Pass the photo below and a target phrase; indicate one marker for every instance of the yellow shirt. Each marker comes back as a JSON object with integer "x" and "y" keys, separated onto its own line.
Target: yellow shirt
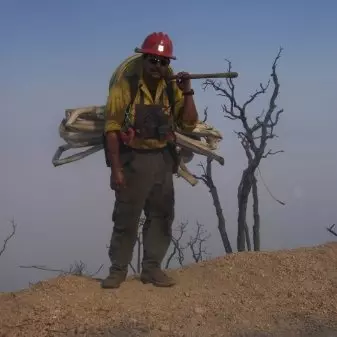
{"x": 119, "y": 99}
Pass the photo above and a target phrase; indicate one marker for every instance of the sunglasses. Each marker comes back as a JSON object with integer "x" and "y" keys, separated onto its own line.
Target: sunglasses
{"x": 155, "y": 60}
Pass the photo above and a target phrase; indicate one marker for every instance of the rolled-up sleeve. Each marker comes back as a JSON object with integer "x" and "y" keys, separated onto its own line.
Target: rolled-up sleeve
{"x": 116, "y": 105}
{"x": 179, "y": 110}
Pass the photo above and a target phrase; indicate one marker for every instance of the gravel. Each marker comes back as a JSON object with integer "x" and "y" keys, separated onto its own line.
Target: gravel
{"x": 252, "y": 294}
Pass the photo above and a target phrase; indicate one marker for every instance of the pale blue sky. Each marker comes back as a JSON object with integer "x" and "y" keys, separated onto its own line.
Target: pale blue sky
{"x": 56, "y": 55}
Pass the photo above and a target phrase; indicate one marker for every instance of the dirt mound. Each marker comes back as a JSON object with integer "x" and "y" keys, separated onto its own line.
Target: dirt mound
{"x": 284, "y": 293}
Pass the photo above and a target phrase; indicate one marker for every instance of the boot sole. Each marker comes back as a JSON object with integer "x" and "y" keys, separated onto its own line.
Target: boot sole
{"x": 110, "y": 287}
{"x": 158, "y": 284}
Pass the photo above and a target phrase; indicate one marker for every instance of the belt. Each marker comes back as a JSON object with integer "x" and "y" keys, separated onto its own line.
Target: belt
{"x": 155, "y": 150}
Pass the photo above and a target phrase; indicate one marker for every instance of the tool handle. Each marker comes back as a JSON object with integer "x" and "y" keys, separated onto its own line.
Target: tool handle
{"x": 212, "y": 75}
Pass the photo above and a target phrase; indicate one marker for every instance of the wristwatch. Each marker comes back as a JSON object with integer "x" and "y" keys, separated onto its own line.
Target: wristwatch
{"x": 188, "y": 93}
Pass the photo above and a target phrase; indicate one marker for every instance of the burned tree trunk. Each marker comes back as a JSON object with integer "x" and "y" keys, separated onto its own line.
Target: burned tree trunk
{"x": 218, "y": 209}
{"x": 243, "y": 194}
{"x": 247, "y": 236}
{"x": 207, "y": 178}
{"x": 256, "y": 216}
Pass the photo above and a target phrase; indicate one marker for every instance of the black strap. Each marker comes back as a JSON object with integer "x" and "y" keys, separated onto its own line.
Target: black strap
{"x": 134, "y": 84}
{"x": 170, "y": 94}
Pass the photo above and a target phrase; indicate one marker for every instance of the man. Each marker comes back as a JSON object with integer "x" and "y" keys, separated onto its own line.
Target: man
{"x": 143, "y": 164}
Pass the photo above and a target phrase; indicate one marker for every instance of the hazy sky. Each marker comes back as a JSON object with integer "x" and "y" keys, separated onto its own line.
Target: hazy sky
{"x": 60, "y": 54}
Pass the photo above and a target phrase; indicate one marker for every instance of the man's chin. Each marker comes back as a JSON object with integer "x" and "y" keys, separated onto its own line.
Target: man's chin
{"x": 156, "y": 75}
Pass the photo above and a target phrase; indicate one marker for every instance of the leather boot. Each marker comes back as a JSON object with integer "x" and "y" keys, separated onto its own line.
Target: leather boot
{"x": 157, "y": 277}
{"x": 114, "y": 280}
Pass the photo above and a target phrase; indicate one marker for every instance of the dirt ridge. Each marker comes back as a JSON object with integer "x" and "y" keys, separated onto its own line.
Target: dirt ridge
{"x": 280, "y": 293}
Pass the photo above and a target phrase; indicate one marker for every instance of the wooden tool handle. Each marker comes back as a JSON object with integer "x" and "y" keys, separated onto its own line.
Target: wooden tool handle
{"x": 212, "y": 75}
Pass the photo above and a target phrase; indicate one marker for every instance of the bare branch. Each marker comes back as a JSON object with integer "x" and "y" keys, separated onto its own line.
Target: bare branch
{"x": 205, "y": 114}
{"x": 132, "y": 268}
{"x": 228, "y": 94}
{"x": 178, "y": 248}
{"x": 331, "y": 230}
{"x": 44, "y": 268}
{"x": 9, "y": 237}
{"x": 271, "y": 153}
{"x": 78, "y": 269}
{"x": 196, "y": 243}
{"x": 268, "y": 190}
{"x": 262, "y": 90}
{"x": 97, "y": 271}
{"x": 203, "y": 177}
{"x": 267, "y": 122}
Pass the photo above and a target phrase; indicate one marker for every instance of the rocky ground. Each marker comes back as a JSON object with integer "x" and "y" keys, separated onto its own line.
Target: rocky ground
{"x": 284, "y": 293}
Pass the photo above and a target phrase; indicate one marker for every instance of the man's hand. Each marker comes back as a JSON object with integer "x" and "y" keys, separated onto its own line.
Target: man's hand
{"x": 117, "y": 180}
{"x": 189, "y": 113}
{"x": 183, "y": 83}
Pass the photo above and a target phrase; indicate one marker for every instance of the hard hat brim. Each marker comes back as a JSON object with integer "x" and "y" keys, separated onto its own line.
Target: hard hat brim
{"x": 151, "y": 52}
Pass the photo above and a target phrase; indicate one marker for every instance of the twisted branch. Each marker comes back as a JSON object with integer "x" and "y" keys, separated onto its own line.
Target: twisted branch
{"x": 9, "y": 237}
{"x": 331, "y": 230}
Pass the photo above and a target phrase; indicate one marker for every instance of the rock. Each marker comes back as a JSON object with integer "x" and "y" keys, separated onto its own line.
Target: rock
{"x": 81, "y": 330}
{"x": 164, "y": 328}
{"x": 199, "y": 310}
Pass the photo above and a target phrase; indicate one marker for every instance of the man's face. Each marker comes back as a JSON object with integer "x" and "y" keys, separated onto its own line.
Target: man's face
{"x": 156, "y": 66}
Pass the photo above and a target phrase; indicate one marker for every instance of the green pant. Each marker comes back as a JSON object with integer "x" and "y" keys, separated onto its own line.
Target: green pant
{"x": 149, "y": 187}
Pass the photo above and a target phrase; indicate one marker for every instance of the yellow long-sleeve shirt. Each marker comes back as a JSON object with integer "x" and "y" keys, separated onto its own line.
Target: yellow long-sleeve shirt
{"x": 120, "y": 96}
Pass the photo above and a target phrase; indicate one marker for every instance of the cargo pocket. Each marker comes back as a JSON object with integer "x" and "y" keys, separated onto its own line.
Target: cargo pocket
{"x": 171, "y": 158}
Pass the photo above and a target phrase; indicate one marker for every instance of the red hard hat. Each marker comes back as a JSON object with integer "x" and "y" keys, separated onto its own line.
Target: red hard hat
{"x": 157, "y": 44}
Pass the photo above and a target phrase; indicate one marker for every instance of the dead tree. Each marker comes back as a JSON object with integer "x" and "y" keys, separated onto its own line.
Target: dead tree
{"x": 207, "y": 179}
{"x": 331, "y": 230}
{"x": 197, "y": 242}
{"x": 254, "y": 138}
{"x": 8, "y": 238}
{"x": 178, "y": 247}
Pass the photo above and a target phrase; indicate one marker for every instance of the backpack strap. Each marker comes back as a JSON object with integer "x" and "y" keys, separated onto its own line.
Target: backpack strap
{"x": 170, "y": 93}
{"x": 134, "y": 83}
